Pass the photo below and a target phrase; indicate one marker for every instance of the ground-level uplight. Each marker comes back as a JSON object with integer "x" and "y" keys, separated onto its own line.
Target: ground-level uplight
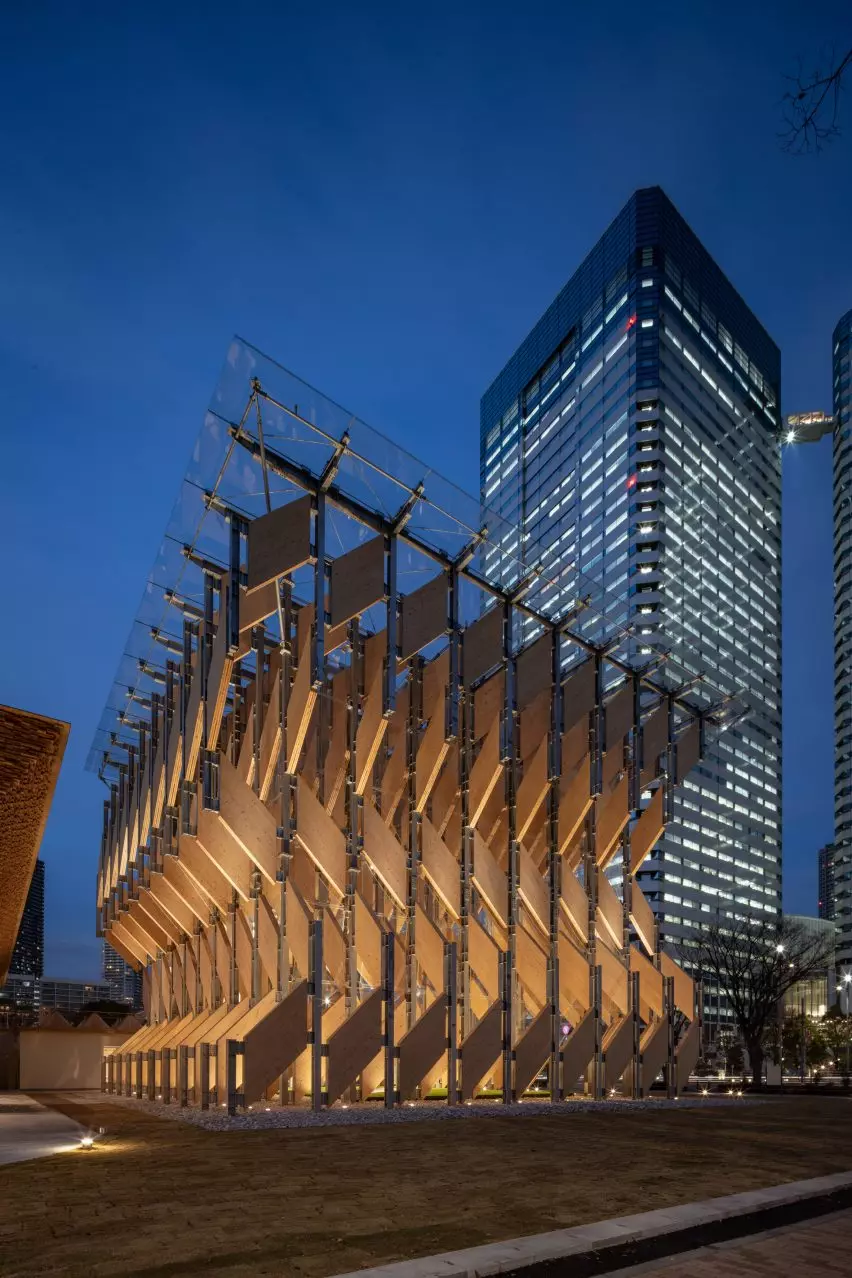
{"x": 87, "y": 1141}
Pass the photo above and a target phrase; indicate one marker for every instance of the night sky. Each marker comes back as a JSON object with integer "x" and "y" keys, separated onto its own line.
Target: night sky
{"x": 385, "y": 199}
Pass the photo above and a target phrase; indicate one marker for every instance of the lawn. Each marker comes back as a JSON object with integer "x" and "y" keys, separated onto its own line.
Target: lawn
{"x": 164, "y": 1199}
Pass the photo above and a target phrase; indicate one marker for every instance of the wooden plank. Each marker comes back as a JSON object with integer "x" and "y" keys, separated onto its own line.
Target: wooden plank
{"x": 655, "y": 739}
{"x": 321, "y": 838}
{"x": 686, "y": 1056}
{"x": 440, "y": 866}
{"x": 533, "y": 789}
{"x": 684, "y": 988}
{"x": 204, "y": 872}
{"x": 279, "y": 542}
{"x": 642, "y": 918}
{"x": 431, "y": 753}
{"x": 533, "y": 891}
{"x": 127, "y": 943}
{"x": 532, "y": 968}
{"x": 489, "y": 700}
{"x": 532, "y": 1051}
{"x": 613, "y": 976}
{"x": 483, "y": 957}
{"x": 617, "y": 1050}
{"x": 302, "y": 695}
{"x": 423, "y": 616}
{"x": 481, "y": 1050}
{"x": 573, "y": 976}
{"x": 385, "y": 854}
{"x": 368, "y": 940}
{"x": 533, "y": 670}
{"x": 578, "y": 694}
{"x": 654, "y": 1050}
{"x": 129, "y": 956}
{"x": 152, "y": 908}
{"x": 373, "y": 724}
{"x": 429, "y": 949}
{"x": 218, "y": 680}
{"x": 647, "y": 830}
{"x": 422, "y": 1047}
{"x": 243, "y": 948}
{"x": 618, "y": 716}
{"x": 489, "y": 879}
{"x": 354, "y": 1044}
{"x": 688, "y": 745}
{"x": 248, "y": 821}
{"x": 650, "y": 984}
{"x": 610, "y": 912}
{"x": 143, "y": 939}
{"x": 575, "y": 902}
{"x": 185, "y": 888}
{"x": 574, "y": 802}
{"x": 485, "y": 773}
{"x": 255, "y": 606}
{"x": 229, "y": 859}
{"x": 270, "y": 740}
{"x": 446, "y": 789}
{"x": 483, "y": 645}
{"x": 578, "y": 1051}
{"x": 274, "y": 1043}
{"x": 357, "y": 580}
{"x": 612, "y": 818}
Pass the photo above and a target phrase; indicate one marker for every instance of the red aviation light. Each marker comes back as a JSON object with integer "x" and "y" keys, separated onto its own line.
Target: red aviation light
{"x": 630, "y": 322}
{"x": 631, "y": 483}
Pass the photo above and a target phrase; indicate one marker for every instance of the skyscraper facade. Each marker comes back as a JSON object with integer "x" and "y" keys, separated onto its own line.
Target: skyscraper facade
{"x": 125, "y": 985}
{"x": 842, "y": 380}
{"x": 825, "y": 875}
{"x": 634, "y": 435}
{"x": 28, "y": 954}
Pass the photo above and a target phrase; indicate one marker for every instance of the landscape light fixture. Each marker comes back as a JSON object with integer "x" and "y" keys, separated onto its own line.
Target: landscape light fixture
{"x": 87, "y": 1141}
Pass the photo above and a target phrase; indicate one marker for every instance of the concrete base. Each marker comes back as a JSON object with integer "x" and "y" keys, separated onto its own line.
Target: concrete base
{"x": 673, "y": 1229}
{"x": 28, "y": 1130}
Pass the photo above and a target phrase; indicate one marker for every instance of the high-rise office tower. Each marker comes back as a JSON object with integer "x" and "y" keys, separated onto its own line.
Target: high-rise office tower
{"x": 28, "y": 954}
{"x": 825, "y": 888}
{"x": 125, "y": 985}
{"x": 842, "y": 380}
{"x": 634, "y": 434}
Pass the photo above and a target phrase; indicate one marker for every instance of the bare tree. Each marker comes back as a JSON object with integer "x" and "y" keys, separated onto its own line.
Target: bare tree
{"x": 754, "y": 961}
{"x": 812, "y": 106}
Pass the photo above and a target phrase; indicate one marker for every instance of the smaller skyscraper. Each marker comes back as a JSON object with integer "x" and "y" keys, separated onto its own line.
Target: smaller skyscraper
{"x": 28, "y": 954}
{"x": 826, "y": 906}
{"x": 125, "y": 985}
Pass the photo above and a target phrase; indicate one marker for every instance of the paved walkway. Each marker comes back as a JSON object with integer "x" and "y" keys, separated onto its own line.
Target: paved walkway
{"x": 815, "y": 1247}
{"x": 28, "y": 1130}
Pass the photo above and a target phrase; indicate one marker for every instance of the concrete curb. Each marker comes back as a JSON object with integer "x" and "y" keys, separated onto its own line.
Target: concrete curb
{"x": 625, "y": 1240}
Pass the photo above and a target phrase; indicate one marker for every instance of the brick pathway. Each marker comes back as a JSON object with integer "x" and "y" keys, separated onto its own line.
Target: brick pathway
{"x": 817, "y": 1247}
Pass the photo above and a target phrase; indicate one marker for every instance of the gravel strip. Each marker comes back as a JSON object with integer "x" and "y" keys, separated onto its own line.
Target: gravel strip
{"x": 259, "y": 1118}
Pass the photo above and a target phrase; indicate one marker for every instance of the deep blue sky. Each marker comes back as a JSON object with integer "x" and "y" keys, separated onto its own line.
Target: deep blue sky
{"x": 385, "y": 199}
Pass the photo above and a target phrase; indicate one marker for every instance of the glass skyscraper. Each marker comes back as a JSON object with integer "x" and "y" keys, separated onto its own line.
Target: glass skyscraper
{"x": 28, "y": 954}
{"x": 634, "y": 435}
{"x": 842, "y": 378}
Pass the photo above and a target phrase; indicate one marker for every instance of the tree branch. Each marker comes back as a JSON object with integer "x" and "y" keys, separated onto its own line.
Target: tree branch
{"x": 812, "y": 107}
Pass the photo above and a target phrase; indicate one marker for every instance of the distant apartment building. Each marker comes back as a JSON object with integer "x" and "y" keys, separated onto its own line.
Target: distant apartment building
{"x": 28, "y": 954}
{"x": 68, "y": 997}
{"x": 125, "y": 985}
{"x": 808, "y": 428}
{"x": 826, "y": 904}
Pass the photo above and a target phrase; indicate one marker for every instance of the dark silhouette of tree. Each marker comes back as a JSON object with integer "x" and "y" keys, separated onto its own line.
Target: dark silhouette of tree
{"x": 754, "y": 961}
{"x": 812, "y": 105}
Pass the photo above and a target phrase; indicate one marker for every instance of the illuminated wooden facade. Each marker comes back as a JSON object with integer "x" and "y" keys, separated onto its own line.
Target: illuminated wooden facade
{"x": 396, "y": 850}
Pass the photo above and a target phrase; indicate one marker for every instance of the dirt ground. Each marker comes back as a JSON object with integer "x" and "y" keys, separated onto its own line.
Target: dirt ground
{"x": 163, "y": 1199}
